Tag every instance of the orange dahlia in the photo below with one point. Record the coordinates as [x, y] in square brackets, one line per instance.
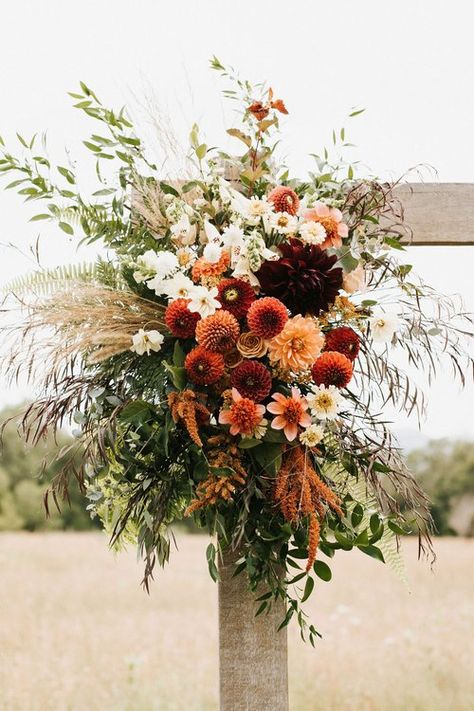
[290, 412]
[298, 345]
[204, 367]
[332, 368]
[180, 320]
[236, 296]
[284, 200]
[252, 380]
[343, 340]
[218, 332]
[203, 268]
[267, 317]
[244, 415]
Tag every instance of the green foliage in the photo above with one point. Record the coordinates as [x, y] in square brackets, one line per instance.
[25, 474]
[446, 471]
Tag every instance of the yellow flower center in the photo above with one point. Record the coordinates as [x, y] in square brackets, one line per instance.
[324, 401]
[282, 221]
[297, 344]
[231, 295]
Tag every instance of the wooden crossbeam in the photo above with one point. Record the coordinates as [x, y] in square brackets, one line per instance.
[439, 213]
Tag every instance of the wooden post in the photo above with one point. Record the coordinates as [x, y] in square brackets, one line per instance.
[253, 656]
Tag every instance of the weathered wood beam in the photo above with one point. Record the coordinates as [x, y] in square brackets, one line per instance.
[439, 213]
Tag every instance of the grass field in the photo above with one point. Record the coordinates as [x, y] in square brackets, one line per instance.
[77, 633]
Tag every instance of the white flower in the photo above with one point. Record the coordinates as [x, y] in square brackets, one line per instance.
[212, 253]
[312, 232]
[233, 236]
[324, 402]
[283, 222]
[212, 233]
[178, 287]
[146, 341]
[158, 285]
[252, 210]
[312, 435]
[242, 270]
[147, 264]
[383, 326]
[186, 257]
[165, 264]
[183, 231]
[203, 301]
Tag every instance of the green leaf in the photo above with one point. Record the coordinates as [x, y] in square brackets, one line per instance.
[178, 375]
[374, 552]
[211, 562]
[201, 151]
[168, 189]
[178, 355]
[322, 570]
[308, 589]
[135, 411]
[36, 218]
[249, 443]
[66, 228]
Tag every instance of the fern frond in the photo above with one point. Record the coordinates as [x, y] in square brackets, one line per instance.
[46, 281]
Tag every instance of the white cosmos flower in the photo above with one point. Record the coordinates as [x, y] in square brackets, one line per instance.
[283, 222]
[324, 402]
[146, 341]
[383, 326]
[312, 232]
[212, 253]
[312, 435]
[203, 301]
[252, 210]
[179, 286]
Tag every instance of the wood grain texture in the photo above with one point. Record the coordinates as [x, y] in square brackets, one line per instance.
[253, 656]
[439, 213]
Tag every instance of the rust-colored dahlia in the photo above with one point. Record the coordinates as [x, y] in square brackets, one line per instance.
[267, 317]
[252, 380]
[236, 296]
[218, 332]
[204, 269]
[304, 279]
[180, 321]
[332, 368]
[284, 200]
[343, 340]
[204, 367]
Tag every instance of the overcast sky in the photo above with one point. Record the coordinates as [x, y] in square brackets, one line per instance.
[411, 65]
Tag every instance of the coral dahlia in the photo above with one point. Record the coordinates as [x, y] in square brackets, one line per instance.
[332, 368]
[252, 380]
[284, 200]
[298, 345]
[331, 219]
[343, 340]
[244, 416]
[180, 320]
[267, 317]
[203, 268]
[218, 332]
[236, 296]
[204, 367]
[304, 278]
[290, 412]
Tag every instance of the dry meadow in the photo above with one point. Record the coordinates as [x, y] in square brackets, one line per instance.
[78, 634]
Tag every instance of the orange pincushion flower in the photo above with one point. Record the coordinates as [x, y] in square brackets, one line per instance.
[243, 416]
[218, 332]
[180, 320]
[203, 269]
[267, 317]
[332, 368]
[284, 200]
[290, 412]
[298, 345]
[204, 367]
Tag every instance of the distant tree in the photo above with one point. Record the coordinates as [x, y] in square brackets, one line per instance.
[445, 469]
[25, 474]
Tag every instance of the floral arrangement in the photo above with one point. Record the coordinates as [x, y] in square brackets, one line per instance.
[231, 357]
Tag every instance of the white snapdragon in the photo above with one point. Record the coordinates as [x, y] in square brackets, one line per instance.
[312, 232]
[213, 236]
[203, 301]
[383, 326]
[146, 341]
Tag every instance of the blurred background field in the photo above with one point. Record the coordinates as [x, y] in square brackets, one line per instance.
[77, 632]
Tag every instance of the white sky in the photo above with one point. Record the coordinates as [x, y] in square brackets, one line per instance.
[410, 64]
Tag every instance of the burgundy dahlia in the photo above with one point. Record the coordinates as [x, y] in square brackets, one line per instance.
[304, 279]
[252, 380]
[343, 340]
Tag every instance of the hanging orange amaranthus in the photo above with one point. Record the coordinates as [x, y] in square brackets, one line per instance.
[216, 487]
[300, 492]
[186, 408]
